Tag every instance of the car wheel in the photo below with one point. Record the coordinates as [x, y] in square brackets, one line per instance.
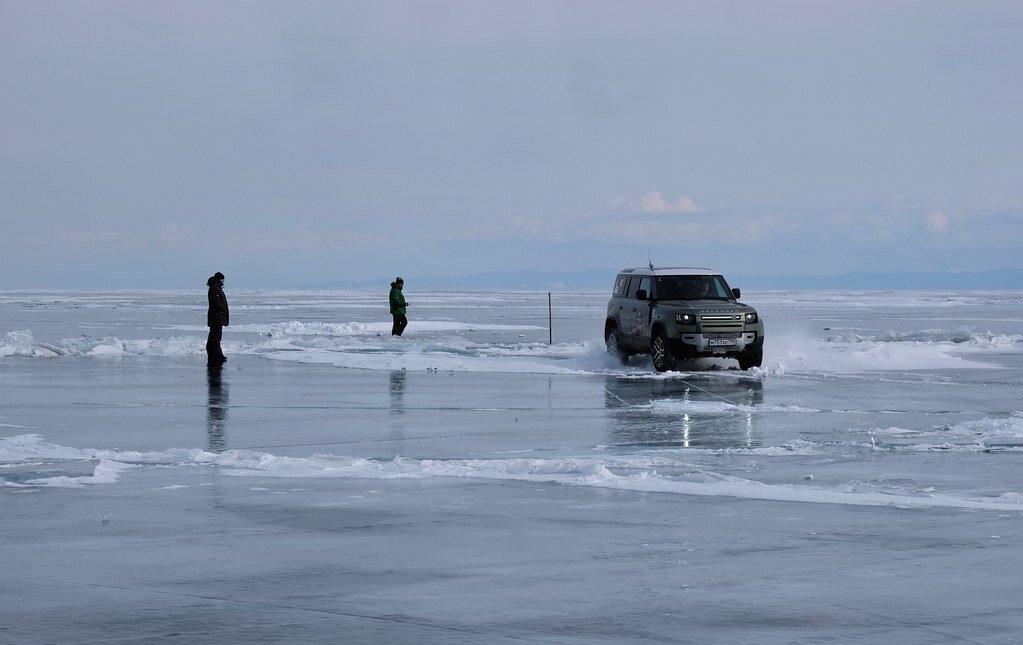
[614, 347]
[750, 359]
[659, 352]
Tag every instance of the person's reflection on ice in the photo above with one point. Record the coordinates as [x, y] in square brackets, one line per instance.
[216, 411]
[397, 392]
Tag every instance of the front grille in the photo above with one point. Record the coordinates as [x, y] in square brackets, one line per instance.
[722, 334]
[721, 325]
[728, 324]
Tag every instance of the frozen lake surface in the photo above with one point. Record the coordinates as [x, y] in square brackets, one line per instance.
[472, 483]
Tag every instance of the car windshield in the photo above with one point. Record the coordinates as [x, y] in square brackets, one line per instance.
[691, 287]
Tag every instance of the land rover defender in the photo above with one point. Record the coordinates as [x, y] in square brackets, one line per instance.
[682, 313]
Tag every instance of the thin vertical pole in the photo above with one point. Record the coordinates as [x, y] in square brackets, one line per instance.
[550, 321]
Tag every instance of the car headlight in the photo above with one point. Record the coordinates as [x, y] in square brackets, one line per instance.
[751, 317]
[685, 319]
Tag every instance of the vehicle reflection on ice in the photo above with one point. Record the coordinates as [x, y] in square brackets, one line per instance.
[689, 411]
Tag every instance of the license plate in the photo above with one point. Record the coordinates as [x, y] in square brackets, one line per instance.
[721, 342]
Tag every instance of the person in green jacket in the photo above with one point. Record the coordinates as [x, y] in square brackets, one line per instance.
[398, 305]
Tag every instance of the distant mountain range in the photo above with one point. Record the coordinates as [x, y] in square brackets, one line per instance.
[1005, 279]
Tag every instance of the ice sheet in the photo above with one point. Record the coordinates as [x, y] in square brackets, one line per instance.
[472, 483]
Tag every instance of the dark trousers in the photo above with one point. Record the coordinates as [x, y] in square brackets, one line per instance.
[215, 355]
[400, 323]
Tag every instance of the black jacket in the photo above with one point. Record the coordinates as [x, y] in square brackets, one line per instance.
[218, 313]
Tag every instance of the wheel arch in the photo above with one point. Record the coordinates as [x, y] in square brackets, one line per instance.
[658, 327]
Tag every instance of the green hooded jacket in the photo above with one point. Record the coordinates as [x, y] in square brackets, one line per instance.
[397, 300]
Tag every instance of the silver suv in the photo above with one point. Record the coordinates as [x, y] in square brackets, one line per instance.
[681, 313]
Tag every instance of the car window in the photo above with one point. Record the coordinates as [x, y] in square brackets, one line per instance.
[620, 283]
[644, 284]
[718, 289]
[633, 285]
[691, 287]
[636, 283]
[676, 287]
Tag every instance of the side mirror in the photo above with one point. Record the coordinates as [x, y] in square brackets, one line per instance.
[736, 293]
[641, 294]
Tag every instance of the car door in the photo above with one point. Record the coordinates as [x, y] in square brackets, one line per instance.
[639, 326]
[626, 305]
[616, 307]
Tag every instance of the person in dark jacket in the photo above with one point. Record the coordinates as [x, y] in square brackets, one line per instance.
[398, 305]
[217, 317]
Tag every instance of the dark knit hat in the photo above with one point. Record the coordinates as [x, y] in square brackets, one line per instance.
[218, 275]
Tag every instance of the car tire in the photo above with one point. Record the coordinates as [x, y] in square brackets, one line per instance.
[659, 352]
[614, 346]
[751, 358]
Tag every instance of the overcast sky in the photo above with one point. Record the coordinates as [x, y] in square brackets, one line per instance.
[150, 143]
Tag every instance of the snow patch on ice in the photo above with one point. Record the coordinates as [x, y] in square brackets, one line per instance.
[105, 472]
[677, 406]
[374, 328]
[463, 346]
[795, 352]
[667, 472]
[1001, 434]
[22, 343]
[598, 472]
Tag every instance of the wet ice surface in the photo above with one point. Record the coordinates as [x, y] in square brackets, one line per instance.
[863, 487]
